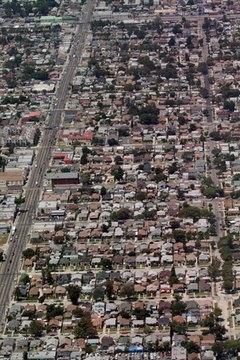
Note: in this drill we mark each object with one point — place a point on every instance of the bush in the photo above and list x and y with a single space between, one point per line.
120 215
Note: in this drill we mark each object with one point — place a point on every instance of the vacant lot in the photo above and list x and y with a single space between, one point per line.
3 239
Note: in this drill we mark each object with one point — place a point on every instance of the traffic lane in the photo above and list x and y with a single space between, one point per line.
8 277
7 280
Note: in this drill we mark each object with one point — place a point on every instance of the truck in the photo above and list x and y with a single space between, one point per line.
13 230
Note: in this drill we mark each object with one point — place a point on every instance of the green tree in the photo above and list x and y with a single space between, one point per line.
227 273
24 279
173 168
147 63
212 322
106 264
85 178
124 131
188 156
210 192
229 105
103 191
160 176
8 10
178 306
120 215
65 169
98 141
17 293
175 224
169 72
206 112
54 310
129 87
179 328
127 290
28 8
47 276
28 253
41 75
84 327
78 312
189 43
20 200
192 212
98 293
214 269
36 137
149 214
73 293
109 289
177 28
172 41
228 92
118 160
84 159
191 347
219 350
104 228
86 150
141 314
203 68
204 92
113 142
217 312
179 235
117 173
41 299
140 196
148 115
173 277
215 135
36 328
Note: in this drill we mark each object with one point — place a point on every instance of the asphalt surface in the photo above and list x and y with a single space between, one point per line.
166 17
9 269
209 106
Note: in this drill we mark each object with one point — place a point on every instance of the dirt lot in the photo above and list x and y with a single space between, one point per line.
3 239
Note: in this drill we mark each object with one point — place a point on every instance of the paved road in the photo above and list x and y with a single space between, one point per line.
221 299
209 106
147 17
9 270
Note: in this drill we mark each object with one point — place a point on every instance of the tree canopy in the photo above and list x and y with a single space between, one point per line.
194 213
120 215
214 269
84 327
36 328
73 292
127 290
